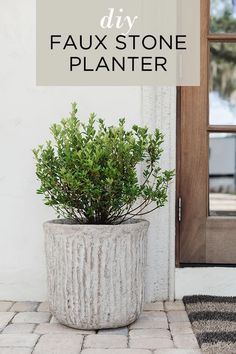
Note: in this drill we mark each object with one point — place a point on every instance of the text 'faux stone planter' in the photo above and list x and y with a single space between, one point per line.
96 273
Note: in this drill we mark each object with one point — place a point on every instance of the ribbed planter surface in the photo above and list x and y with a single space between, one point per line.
96 273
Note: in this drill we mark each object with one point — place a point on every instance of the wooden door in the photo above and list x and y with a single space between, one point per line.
206 136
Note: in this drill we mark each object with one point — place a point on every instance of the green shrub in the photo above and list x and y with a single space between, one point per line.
90 173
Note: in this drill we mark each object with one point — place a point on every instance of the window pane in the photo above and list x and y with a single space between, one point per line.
222 99
222 174
223 16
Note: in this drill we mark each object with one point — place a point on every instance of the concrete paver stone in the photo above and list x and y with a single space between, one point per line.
116 351
21 306
174 306
15 350
67 343
177 316
32 317
154 306
43 307
105 341
150 343
178 351
19 328
5 318
116 331
5 305
18 340
150 332
56 328
187 341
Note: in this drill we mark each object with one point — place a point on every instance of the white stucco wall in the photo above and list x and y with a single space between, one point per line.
159 111
26 111
215 281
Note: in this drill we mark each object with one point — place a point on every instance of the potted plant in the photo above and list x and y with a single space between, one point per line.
96 250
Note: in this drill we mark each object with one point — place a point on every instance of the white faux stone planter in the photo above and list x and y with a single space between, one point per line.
96 273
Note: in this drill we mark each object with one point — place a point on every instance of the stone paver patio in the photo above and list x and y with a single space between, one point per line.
29 328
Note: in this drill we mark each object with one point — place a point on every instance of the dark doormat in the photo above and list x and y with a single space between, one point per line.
214 322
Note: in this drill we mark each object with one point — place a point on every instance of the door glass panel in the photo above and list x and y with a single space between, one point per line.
222 86
223 16
222 174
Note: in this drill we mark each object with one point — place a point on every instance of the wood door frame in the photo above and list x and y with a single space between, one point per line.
192 134
208 229
178 263
178 175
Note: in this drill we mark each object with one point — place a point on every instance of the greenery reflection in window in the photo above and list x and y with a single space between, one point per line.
222 83
223 16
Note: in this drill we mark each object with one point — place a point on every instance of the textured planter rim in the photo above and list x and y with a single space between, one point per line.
70 225
65 223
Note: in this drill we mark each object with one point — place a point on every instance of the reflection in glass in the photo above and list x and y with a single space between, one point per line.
222 86
222 174
223 16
